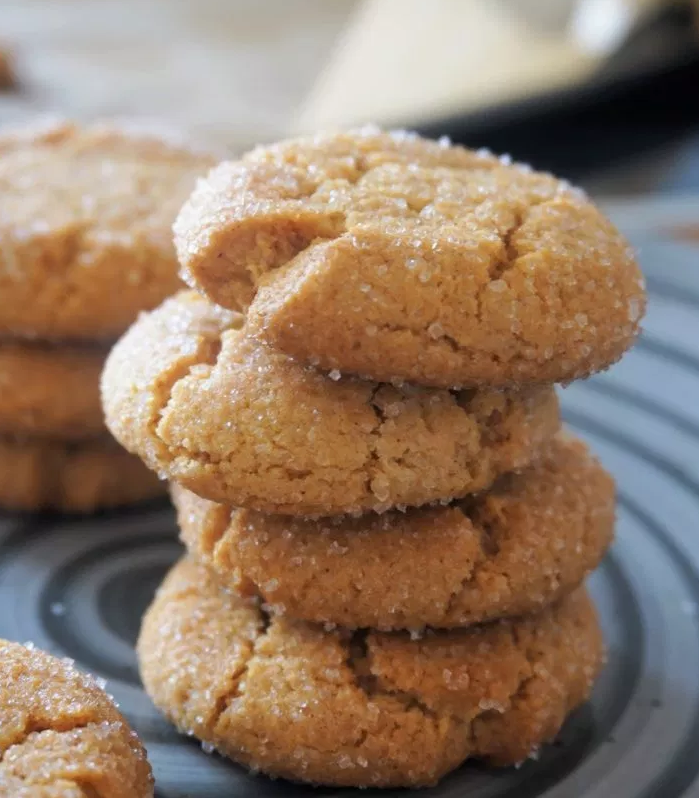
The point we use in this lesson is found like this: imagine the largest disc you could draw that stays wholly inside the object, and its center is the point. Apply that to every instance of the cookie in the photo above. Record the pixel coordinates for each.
(85, 224)
(391, 256)
(529, 540)
(41, 475)
(234, 421)
(61, 736)
(366, 708)
(8, 76)
(50, 391)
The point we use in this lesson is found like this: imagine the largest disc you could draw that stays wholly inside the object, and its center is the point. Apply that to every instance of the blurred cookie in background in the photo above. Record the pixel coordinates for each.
(8, 77)
(85, 225)
(38, 474)
(85, 245)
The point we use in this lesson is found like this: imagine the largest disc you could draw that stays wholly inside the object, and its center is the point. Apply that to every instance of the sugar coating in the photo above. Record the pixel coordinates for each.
(85, 227)
(393, 256)
(60, 734)
(365, 708)
(522, 545)
(38, 474)
(235, 421)
(50, 391)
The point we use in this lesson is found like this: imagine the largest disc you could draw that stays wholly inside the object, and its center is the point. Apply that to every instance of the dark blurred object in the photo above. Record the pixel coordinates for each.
(639, 127)
(399, 62)
(580, 87)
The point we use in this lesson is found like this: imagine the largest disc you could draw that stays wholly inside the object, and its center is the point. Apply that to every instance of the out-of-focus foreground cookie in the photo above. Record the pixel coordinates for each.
(390, 256)
(512, 550)
(61, 735)
(365, 708)
(235, 421)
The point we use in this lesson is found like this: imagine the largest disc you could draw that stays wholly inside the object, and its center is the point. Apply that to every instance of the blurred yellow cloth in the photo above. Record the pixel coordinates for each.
(411, 61)
(236, 72)
(408, 60)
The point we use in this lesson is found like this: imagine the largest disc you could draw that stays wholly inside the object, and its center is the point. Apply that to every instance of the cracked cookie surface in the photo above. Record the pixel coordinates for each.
(530, 539)
(61, 736)
(364, 708)
(235, 421)
(50, 391)
(36, 474)
(390, 256)
(85, 223)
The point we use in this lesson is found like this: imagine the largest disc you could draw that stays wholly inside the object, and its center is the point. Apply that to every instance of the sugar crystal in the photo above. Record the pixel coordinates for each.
(634, 309)
(58, 608)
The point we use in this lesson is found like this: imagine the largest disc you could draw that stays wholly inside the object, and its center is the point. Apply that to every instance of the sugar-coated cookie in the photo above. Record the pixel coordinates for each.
(529, 540)
(235, 421)
(391, 256)
(36, 474)
(61, 736)
(365, 708)
(85, 225)
(50, 391)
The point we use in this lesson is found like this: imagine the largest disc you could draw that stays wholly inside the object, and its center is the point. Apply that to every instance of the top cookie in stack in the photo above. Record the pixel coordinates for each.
(85, 245)
(358, 414)
(397, 258)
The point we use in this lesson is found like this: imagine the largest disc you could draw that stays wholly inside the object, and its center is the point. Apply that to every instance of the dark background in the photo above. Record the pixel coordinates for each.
(633, 130)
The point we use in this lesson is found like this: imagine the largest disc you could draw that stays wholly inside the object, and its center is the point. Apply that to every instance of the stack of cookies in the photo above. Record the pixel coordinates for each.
(85, 244)
(387, 531)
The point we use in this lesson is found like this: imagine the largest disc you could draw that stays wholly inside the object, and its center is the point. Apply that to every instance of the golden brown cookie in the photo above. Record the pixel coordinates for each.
(8, 76)
(85, 225)
(364, 708)
(237, 422)
(529, 540)
(61, 735)
(78, 478)
(50, 391)
(390, 256)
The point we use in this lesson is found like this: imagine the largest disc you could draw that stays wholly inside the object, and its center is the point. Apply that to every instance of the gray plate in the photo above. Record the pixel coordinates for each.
(79, 587)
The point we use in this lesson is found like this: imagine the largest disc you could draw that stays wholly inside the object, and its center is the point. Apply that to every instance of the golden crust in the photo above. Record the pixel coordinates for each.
(235, 421)
(61, 736)
(85, 228)
(530, 540)
(389, 256)
(50, 391)
(36, 474)
(362, 709)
